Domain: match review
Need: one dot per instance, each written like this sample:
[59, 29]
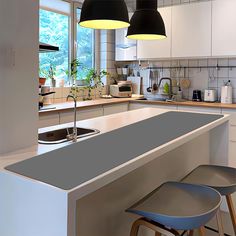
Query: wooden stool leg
[231, 211]
[134, 229]
[201, 231]
[158, 229]
[191, 232]
[219, 223]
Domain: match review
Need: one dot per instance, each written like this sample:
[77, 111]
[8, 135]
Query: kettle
[197, 96]
[227, 93]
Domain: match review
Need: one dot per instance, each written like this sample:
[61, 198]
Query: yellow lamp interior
[146, 36]
[104, 24]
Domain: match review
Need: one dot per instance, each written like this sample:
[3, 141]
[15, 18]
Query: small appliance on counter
[227, 93]
[197, 96]
[121, 90]
[210, 95]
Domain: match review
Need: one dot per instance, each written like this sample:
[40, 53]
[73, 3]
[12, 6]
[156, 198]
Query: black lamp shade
[146, 23]
[104, 14]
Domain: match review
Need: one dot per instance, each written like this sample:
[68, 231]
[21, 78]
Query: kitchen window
[84, 45]
[59, 27]
[54, 29]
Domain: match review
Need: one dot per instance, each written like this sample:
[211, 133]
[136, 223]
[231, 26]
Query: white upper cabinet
[126, 49]
[191, 30]
[223, 28]
[157, 48]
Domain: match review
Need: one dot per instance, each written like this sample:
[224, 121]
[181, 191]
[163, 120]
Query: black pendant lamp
[104, 14]
[146, 22]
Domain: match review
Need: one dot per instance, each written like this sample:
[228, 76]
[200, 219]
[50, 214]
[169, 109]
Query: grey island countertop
[73, 165]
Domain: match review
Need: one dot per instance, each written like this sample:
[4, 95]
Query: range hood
[43, 47]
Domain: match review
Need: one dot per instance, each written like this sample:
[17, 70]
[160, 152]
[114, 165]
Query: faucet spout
[73, 137]
[171, 87]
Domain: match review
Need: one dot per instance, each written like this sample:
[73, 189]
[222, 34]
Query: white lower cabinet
[82, 114]
[116, 108]
[135, 106]
[46, 120]
[90, 113]
[232, 136]
[199, 109]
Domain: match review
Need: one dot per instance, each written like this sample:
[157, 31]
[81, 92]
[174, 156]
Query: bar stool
[176, 206]
[221, 178]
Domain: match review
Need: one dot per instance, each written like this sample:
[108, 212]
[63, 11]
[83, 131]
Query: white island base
[97, 207]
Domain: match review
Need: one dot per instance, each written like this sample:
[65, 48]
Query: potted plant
[42, 77]
[72, 73]
[52, 74]
[94, 81]
[48, 74]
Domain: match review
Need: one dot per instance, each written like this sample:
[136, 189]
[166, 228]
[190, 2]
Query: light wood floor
[227, 226]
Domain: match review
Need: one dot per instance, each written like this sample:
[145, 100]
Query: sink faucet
[170, 90]
[73, 136]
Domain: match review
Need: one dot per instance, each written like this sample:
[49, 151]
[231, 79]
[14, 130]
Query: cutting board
[136, 84]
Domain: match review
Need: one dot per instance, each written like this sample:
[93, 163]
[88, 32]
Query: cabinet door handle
[233, 125]
[232, 141]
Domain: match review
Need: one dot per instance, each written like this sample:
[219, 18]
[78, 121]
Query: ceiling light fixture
[104, 14]
[146, 22]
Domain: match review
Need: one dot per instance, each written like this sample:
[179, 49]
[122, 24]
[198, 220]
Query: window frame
[77, 5]
[69, 23]
[73, 33]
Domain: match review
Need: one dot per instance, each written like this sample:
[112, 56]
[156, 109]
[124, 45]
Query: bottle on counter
[227, 93]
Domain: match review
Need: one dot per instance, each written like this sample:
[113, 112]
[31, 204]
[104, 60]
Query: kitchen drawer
[82, 114]
[232, 114]
[134, 106]
[67, 117]
[166, 107]
[200, 109]
[116, 108]
[46, 120]
[90, 113]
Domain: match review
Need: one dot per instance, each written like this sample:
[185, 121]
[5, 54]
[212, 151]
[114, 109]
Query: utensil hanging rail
[189, 67]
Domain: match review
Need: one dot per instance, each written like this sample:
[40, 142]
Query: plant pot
[42, 81]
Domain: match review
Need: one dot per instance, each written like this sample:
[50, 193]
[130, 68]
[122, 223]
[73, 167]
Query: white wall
[19, 73]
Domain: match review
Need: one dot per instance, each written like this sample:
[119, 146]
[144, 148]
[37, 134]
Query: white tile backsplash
[201, 78]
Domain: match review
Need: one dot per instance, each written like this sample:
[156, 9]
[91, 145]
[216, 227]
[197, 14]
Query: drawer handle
[232, 141]
[233, 125]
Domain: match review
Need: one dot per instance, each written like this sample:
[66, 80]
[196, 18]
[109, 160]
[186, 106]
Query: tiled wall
[164, 3]
[107, 53]
[201, 78]
[62, 93]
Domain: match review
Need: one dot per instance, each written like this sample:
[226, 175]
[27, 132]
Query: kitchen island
[83, 189]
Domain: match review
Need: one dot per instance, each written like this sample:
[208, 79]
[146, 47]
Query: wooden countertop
[83, 104]
[188, 103]
[58, 107]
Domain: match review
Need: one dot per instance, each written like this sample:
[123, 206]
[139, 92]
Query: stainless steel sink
[60, 135]
[154, 99]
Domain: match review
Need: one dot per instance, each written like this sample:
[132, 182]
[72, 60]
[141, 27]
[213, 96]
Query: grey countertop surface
[73, 165]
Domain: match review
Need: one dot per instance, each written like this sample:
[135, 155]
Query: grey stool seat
[179, 206]
[221, 178]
